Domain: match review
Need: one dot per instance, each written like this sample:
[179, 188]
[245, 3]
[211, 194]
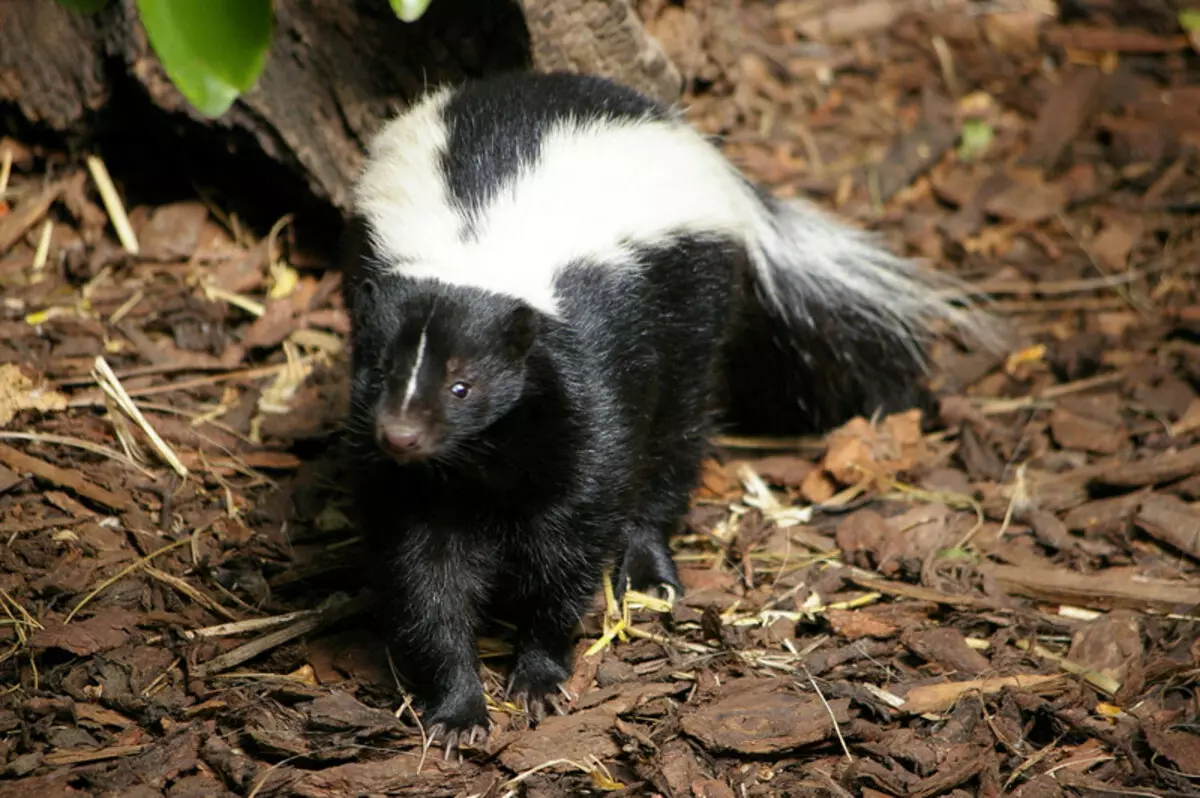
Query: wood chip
[24, 463]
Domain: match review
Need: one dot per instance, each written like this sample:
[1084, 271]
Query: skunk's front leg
[548, 603]
[429, 589]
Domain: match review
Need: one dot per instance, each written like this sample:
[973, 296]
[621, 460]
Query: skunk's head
[435, 366]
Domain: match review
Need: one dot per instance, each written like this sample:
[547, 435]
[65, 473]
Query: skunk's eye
[460, 390]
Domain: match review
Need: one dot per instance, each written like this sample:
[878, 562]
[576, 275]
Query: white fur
[410, 389]
[597, 189]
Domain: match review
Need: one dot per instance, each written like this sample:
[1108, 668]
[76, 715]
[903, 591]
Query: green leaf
[213, 50]
[1189, 20]
[976, 136]
[84, 6]
[410, 10]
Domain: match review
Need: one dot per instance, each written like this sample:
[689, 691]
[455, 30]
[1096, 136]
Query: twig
[997, 406]
[408, 705]
[334, 610]
[140, 371]
[122, 574]
[112, 204]
[79, 443]
[837, 729]
[195, 594]
[6, 159]
[1081, 286]
[127, 306]
[249, 625]
[112, 386]
[186, 385]
[43, 250]
[59, 758]
[1059, 305]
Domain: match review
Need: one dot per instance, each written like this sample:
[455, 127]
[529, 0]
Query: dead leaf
[18, 392]
[172, 232]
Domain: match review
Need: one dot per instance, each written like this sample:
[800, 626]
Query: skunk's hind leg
[668, 478]
[647, 565]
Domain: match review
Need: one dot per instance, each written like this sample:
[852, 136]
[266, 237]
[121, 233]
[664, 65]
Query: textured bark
[337, 69]
[603, 37]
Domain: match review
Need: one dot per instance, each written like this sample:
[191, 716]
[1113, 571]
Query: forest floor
[1005, 604]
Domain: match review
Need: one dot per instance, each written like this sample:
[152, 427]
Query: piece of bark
[24, 463]
[946, 646]
[1097, 590]
[1103, 40]
[761, 718]
[1170, 520]
[1152, 470]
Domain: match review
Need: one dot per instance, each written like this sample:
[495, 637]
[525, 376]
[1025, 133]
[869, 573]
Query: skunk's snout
[403, 440]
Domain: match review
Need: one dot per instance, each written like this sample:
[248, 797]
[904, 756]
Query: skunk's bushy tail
[833, 325]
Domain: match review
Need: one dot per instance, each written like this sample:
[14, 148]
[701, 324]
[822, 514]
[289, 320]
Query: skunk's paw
[456, 723]
[648, 568]
[536, 685]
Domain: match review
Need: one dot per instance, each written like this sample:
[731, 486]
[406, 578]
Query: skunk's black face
[436, 366]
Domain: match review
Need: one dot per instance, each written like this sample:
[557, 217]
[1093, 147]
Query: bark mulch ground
[1006, 604]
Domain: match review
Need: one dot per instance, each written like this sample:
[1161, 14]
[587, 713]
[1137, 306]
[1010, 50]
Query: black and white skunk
[555, 286]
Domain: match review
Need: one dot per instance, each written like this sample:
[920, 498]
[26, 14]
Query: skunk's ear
[520, 330]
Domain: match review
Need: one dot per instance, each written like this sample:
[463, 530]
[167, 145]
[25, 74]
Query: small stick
[5, 169]
[122, 574]
[112, 386]
[187, 385]
[78, 443]
[195, 594]
[249, 625]
[43, 250]
[995, 406]
[833, 718]
[335, 611]
[139, 371]
[112, 204]
[58, 758]
[126, 306]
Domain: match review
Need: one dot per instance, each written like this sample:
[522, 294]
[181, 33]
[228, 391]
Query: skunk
[556, 287]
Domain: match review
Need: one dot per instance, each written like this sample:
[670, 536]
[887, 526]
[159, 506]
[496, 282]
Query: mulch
[1000, 599]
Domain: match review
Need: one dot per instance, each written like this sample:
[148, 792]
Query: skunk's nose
[400, 438]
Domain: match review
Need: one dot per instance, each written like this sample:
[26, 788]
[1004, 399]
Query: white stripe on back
[596, 191]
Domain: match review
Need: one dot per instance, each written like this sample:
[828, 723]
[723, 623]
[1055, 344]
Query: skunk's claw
[453, 740]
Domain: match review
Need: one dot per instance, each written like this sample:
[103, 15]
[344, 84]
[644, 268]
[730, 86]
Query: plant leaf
[1189, 20]
[213, 50]
[84, 6]
[410, 10]
[976, 136]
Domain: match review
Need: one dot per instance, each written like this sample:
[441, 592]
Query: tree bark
[337, 69]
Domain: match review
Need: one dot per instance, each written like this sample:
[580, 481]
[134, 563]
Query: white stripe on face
[411, 389]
